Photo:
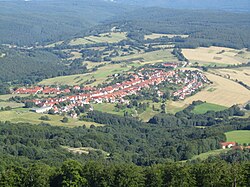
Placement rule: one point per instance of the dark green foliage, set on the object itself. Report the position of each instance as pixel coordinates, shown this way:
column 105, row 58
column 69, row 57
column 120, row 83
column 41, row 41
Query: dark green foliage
column 26, row 23
column 45, row 118
column 205, row 28
column 94, row 174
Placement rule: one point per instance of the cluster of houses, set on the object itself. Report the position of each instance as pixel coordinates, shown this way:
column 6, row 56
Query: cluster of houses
column 144, row 78
column 40, row 90
column 233, row 145
column 194, row 81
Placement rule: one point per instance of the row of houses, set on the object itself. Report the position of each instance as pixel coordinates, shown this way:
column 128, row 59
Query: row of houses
column 144, row 78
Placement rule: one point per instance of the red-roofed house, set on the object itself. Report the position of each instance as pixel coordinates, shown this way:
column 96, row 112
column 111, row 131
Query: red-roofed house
column 225, row 145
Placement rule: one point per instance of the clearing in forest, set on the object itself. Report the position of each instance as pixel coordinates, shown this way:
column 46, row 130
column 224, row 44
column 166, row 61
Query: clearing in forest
column 239, row 136
column 205, row 107
column 155, row 35
column 102, row 38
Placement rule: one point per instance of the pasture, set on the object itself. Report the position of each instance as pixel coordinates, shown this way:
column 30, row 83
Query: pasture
column 239, row 136
column 222, row 92
column 150, row 57
column 205, row 107
column 25, row 116
column 240, row 74
column 219, row 56
column 204, row 156
column 155, row 35
column 102, row 38
column 100, row 76
column 11, row 104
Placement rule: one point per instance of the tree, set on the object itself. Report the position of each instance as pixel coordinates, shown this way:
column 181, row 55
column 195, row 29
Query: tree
column 72, row 174
column 45, row 118
column 65, row 120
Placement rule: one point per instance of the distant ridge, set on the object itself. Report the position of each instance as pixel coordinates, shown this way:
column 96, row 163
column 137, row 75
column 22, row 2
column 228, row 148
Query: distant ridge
column 226, row 5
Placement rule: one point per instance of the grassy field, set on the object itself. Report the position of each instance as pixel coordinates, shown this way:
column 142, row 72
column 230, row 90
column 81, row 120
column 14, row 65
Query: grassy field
column 155, row 35
column 144, row 116
column 23, row 115
column 11, row 104
column 239, row 136
column 240, row 74
column 203, row 108
column 150, row 57
column 103, row 38
column 204, row 156
column 8, row 96
column 100, row 75
column 222, row 92
column 215, row 56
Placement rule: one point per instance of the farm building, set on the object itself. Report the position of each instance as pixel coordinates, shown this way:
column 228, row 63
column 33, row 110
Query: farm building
column 225, row 145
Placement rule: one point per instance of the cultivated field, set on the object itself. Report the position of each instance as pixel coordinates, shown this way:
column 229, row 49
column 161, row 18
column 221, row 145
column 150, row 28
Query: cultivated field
column 155, row 35
column 240, row 74
column 23, row 115
column 239, row 136
column 102, row 38
column 150, row 57
column 100, row 76
column 205, row 107
column 219, row 56
column 223, row 92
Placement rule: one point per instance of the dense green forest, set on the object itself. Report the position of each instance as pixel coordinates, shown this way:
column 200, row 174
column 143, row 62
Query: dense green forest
column 124, row 139
column 93, row 174
column 205, row 28
column 30, row 66
column 125, row 152
column 28, row 22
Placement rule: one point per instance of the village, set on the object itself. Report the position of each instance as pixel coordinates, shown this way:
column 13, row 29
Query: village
column 188, row 82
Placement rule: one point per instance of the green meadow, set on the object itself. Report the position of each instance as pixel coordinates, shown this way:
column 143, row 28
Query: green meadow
column 239, row 136
column 205, row 107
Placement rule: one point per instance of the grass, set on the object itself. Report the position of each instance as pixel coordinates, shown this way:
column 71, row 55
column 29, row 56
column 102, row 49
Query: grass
column 25, row 116
column 11, row 104
column 100, row 75
column 204, row 156
column 6, row 97
column 205, row 107
column 102, row 38
column 239, row 136
column 150, row 57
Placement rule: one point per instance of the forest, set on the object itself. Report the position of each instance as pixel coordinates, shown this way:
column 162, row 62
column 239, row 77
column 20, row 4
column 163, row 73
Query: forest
column 93, row 174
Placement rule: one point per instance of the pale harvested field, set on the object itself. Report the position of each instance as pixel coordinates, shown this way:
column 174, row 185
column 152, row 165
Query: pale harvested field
column 155, row 35
column 220, row 55
column 240, row 74
column 222, row 92
column 105, row 37
column 75, row 55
